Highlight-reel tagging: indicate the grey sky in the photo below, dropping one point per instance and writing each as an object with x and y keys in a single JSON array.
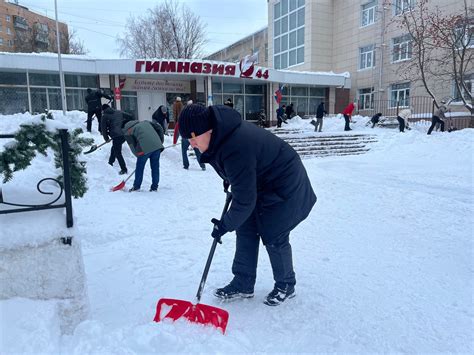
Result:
[{"x": 99, "y": 22}]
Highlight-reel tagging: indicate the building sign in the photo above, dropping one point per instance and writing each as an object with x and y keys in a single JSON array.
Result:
[
  {"x": 132, "y": 84},
  {"x": 200, "y": 67}
]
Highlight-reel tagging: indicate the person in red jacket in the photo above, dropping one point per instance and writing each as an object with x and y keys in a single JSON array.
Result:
[{"x": 347, "y": 115}]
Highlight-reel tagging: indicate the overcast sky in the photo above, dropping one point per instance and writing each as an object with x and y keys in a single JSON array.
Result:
[{"x": 99, "y": 22}]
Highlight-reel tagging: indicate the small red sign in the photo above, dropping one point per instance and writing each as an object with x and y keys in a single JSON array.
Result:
[{"x": 117, "y": 93}]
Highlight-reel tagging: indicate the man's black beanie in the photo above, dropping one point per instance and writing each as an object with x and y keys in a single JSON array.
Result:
[{"x": 194, "y": 120}]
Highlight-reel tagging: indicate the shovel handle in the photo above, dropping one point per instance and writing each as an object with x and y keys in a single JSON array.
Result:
[{"x": 211, "y": 252}]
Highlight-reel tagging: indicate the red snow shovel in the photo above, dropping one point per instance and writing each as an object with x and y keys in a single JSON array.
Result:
[
  {"x": 122, "y": 184},
  {"x": 168, "y": 308}
]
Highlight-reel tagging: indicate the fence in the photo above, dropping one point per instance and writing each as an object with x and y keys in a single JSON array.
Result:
[
  {"x": 65, "y": 188},
  {"x": 422, "y": 108}
]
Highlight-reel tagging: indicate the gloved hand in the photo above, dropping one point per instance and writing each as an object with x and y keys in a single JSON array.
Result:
[
  {"x": 218, "y": 231},
  {"x": 226, "y": 185}
]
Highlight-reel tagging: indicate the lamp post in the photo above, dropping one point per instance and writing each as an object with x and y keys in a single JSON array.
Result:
[{"x": 61, "y": 75}]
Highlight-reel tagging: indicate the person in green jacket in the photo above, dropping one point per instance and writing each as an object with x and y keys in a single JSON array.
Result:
[{"x": 145, "y": 139}]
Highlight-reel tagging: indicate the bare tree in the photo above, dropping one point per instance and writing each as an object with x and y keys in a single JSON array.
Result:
[
  {"x": 454, "y": 35},
  {"x": 442, "y": 47},
  {"x": 168, "y": 30},
  {"x": 75, "y": 44}
]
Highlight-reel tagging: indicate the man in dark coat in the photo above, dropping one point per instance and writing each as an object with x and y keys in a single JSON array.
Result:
[
  {"x": 162, "y": 117},
  {"x": 111, "y": 125},
  {"x": 271, "y": 194},
  {"x": 289, "y": 111},
  {"x": 94, "y": 106},
  {"x": 281, "y": 115},
  {"x": 320, "y": 112}
]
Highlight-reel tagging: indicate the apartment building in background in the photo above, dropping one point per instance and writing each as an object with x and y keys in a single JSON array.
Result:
[
  {"x": 22, "y": 30},
  {"x": 360, "y": 37}
]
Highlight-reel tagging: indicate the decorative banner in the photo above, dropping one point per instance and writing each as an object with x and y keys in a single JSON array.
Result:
[{"x": 157, "y": 85}]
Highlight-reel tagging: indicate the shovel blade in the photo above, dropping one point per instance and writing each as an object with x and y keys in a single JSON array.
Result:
[
  {"x": 93, "y": 149},
  {"x": 118, "y": 187},
  {"x": 168, "y": 308}
]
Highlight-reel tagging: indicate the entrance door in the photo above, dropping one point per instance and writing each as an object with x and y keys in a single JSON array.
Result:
[{"x": 148, "y": 102}]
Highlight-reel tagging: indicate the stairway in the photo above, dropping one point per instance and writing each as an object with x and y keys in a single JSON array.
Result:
[{"x": 309, "y": 144}]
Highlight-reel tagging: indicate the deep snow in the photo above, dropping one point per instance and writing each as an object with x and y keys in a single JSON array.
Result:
[{"x": 384, "y": 262}]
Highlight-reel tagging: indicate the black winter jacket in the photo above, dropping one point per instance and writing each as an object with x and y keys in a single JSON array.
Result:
[
  {"x": 93, "y": 100},
  {"x": 111, "y": 123},
  {"x": 160, "y": 118},
  {"x": 320, "y": 111},
  {"x": 266, "y": 175}
]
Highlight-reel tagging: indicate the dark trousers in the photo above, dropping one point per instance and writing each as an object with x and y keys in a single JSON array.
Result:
[
  {"x": 184, "y": 151},
  {"x": 155, "y": 169},
  {"x": 98, "y": 114},
  {"x": 401, "y": 124},
  {"x": 116, "y": 152},
  {"x": 346, "y": 127},
  {"x": 434, "y": 121},
  {"x": 244, "y": 266}
]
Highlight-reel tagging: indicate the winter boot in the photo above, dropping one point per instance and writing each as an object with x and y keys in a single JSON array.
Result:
[
  {"x": 123, "y": 172},
  {"x": 153, "y": 189},
  {"x": 132, "y": 189},
  {"x": 231, "y": 292},
  {"x": 279, "y": 295}
]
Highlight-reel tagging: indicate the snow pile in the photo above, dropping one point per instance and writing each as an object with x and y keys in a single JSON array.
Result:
[{"x": 383, "y": 262}]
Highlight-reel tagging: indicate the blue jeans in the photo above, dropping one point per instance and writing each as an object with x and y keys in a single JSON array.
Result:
[
  {"x": 184, "y": 151},
  {"x": 155, "y": 169}
]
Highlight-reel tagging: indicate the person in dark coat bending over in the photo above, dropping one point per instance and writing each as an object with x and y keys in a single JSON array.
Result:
[
  {"x": 94, "y": 106},
  {"x": 112, "y": 129},
  {"x": 271, "y": 194}
]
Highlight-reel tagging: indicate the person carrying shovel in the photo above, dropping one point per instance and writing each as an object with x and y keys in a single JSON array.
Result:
[{"x": 271, "y": 195}]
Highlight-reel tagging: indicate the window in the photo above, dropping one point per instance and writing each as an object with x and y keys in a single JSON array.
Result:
[
  {"x": 10, "y": 43},
  {"x": 8, "y": 18},
  {"x": 469, "y": 82},
  {"x": 1, "y": 41},
  {"x": 9, "y": 31},
  {"x": 401, "y": 6},
  {"x": 366, "y": 99},
  {"x": 367, "y": 57},
  {"x": 402, "y": 48},
  {"x": 400, "y": 95},
  {"x": 464, "y": 36},
  {"x": 369, "y": 12},
  {"x": 288, "y": 33}
]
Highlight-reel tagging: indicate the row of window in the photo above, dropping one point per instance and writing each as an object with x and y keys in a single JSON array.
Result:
[
  {"x": 288, "y": 33},
  {"x": 402, "y": 48},
  {"x": 369, "y": 10},
  {"x": 400, "y": 94}
]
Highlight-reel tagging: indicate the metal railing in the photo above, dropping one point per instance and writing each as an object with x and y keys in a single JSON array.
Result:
[
  {"x": 421, "y": 107},
  {"x": 65, "y": 187}
]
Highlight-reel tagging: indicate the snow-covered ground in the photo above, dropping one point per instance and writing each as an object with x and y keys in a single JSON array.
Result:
[{"x": 384, "y": 262}]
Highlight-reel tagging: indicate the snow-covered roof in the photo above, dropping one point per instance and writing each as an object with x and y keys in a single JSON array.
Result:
[{"x": 88, "y": 65}]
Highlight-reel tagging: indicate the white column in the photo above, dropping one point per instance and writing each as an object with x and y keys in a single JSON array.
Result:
[{"x": 210, "y": 96}]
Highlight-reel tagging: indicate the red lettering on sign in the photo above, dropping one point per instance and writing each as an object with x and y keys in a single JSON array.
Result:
[
  {"x": 138, "y": 66},
  {"x": 196, "y": 67},
  {"x": 183, "y": 67},
  {"x": 218, "y": 69},
  {"x": 168, "y": 67},
  {"x": 230, "y": 70},
  {"x": 265, "y": 74},
  {"x": 152, "y": 66},
  {"x": 206, "y": 68}
]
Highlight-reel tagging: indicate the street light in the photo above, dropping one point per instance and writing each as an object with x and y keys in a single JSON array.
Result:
[{"x": 61, "y": 75}]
